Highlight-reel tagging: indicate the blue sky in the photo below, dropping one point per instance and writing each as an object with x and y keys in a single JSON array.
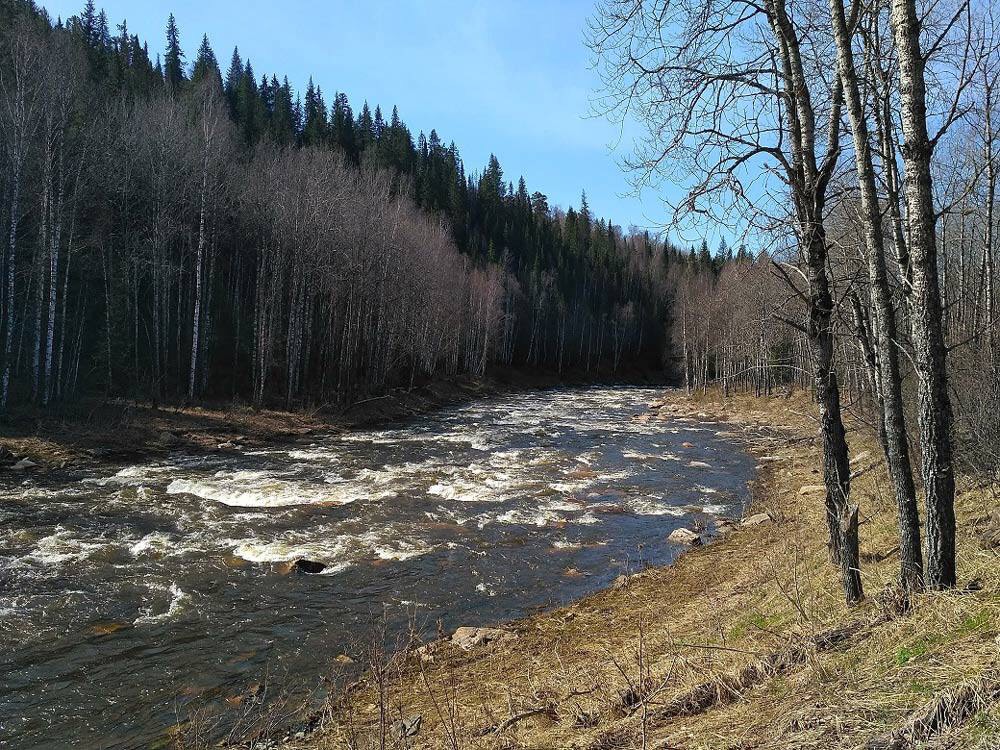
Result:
[{"x": 510, "y": 77}]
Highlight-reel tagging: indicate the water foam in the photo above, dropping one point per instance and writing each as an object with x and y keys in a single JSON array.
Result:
[
  {"x": 177, "y": 598},
  {"x": 257, "y": 489}
]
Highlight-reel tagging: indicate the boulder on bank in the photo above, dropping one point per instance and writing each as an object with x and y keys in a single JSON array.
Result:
[
  {"x": 168, "y": 438},
  {"x": 408, "y": 726},
  {"x": 756, "y": 519},
  {"x": 467, "y": 638},
  {"x": 684, "y": 536},
  {"x": 724, "y": 524},
  {"x": 811, "y": 489}
]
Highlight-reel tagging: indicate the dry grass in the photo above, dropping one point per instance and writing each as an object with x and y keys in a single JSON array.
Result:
[{"x": 604, "y": 672}]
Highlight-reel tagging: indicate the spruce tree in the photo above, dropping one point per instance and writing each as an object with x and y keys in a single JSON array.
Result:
[
  {"x": 88, "y": 23},
  {"x": 173, "y": 60},
  {"x": 206, "y": 66},
  {"x": 233, "y": 77}
]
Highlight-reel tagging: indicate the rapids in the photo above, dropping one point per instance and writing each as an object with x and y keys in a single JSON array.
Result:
[{"x": 129, "y": 596}]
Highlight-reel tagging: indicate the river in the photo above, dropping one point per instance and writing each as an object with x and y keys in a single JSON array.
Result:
[{"x": 129, "y": 596}]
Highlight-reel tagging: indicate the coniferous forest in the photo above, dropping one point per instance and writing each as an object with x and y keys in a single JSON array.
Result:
[{"x": 183, "y": 228}]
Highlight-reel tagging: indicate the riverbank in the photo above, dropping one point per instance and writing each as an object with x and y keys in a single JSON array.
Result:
[
  {"x": 121, "y": 431},
  {"x": 743, "y": 643}
]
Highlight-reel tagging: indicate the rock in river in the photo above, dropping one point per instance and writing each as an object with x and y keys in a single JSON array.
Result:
[
  {"x": 309, "y": 566},
  {"x": 684, "y": 536}
]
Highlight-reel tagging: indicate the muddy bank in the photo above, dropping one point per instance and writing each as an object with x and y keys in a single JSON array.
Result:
[{"x": 119, "y": 431}]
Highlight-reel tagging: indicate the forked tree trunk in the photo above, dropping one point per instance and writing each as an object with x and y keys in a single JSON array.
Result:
[{"x": 810, "y": 183}]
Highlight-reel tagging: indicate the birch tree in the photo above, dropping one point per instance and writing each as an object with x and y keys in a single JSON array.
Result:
[
  {"x": 722, "y": 88},
  {"x": 886, "y": 358},
  {"x": 934, "y": 415}
]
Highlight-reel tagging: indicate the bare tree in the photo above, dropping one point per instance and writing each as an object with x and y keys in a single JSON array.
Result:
[
  {"x": 885, "y": 355},
  {"x": 934, "y": 415},
  {"x": 20, "y": 104},
  {"x": 722, "y": 88}
]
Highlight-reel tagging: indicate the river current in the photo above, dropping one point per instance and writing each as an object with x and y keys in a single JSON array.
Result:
[{"x": 129, "y": 596}]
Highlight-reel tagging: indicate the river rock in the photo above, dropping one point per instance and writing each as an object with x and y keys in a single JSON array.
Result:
[
  {"x": 724, "y": 526},
  {"x": 467, "y": 638},
  {"x": 235, "y": 562},
  {"x": 810, "y": 489},
  {"x": 24, "y": 464},
  {"x": 699, "y": 465},
  {"x": 426, "y": 652},
  {"x": 684, "y": 536},
  {"x": 621, "y": 581},
  {"x": 408, "y": 726},
  {"x": 755, "y": 520},
  {"x": 311, "y": 567}
]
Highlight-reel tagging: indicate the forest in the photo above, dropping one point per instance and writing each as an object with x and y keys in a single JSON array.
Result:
[{"x": 179, "y": 232}]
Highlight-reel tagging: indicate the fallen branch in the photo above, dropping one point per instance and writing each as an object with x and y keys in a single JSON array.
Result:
[{"x": 508, "y": 723}]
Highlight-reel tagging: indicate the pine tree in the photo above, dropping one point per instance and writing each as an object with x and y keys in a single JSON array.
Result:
[
  {"x": 365, "y": 128},
  {"x": 102, "y": 34},
  {"x": 88, "y": 23},
  {"x": 282, "y": 125},
  {"x": 249, "y": 107},
  {"x": 343, "y": 126},
  {"x": 314, "y": 129},
  {"x": 724, "y": 255}
]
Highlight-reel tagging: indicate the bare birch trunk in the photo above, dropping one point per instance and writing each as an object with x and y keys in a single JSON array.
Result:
[
  {"x": 894, "y": 439},
  {"x": 934, "y": 405}
]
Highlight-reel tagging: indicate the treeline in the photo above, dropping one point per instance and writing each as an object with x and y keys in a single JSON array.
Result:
[
  {"x": 173, "y": 230},
  {"x": 873, "y": 183}
]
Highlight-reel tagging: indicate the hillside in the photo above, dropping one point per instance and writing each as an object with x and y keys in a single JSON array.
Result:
[{"x": 177, "y": 232}]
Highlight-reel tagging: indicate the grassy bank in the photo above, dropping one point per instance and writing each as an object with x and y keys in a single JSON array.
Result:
[{"x": 744, "y": 643}]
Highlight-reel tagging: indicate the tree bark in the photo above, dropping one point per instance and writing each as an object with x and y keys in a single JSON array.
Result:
[
  {"x": 889, "y": 381},
  {"x": 934, "y": 415}
]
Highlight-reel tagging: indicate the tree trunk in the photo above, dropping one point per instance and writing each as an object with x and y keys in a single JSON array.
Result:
[
  {"x": 934, "y": 405},
  {"x": 893, "y": 434}
]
